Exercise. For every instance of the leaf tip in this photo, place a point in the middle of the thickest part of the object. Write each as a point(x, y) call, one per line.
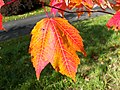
point(74, 80)
point(37, 76)
point(84, 53)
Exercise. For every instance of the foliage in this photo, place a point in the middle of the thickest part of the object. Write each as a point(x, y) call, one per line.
point(57, 36)
point(1, 27)
point(57, 43)
point(100, 70)
point(114, 21)
point(1, 4)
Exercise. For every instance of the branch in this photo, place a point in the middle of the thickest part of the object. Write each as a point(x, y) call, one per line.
point(64, 10)
point(79, 11)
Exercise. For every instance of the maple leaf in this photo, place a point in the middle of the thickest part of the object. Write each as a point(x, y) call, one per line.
point(103, 3)
point(74, 3)
point(1, 27)
point(1, 4)
point(114, 21)
point(55, 41)
point(58, 4)
point(88, 3)
point(116, 5)
point(42, 45)
point(80, 4)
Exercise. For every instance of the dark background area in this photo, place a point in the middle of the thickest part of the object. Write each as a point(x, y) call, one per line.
point(19, 7)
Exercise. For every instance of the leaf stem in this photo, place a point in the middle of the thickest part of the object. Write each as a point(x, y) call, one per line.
point(43, 6)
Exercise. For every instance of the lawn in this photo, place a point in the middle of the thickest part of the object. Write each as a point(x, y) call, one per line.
point(22, 16)
point(100, 70)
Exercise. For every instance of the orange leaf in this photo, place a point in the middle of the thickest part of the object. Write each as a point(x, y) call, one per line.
point(74, 3)
point(103, 3)
point(54, 40)
point(80, 3)
point(42, 45)
point(116, 5)
point(72, 34)
point(88, 3)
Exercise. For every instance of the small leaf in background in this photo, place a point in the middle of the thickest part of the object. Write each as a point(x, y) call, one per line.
point(55, 41)
point(114, 22)
point(1, 3)
point(74, 3)
point(58, 4)
point(1, 27)
point(88, 3)
point(116, 5)
point(103, 3)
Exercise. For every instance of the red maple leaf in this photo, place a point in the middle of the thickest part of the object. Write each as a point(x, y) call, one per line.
point(58, 4)
point(1, 4)
point(1, 27)
point(114, 22)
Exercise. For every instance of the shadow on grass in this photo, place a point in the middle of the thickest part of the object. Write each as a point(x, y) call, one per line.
point(95, 37)
point(17, 71)
point(16, 68)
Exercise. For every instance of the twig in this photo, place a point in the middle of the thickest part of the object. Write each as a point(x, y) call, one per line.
point(79, 11)
point(45, 9)
point(64, 10)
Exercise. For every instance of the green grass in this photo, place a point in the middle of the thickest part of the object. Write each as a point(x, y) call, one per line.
point(22, 16)
point(100, 70)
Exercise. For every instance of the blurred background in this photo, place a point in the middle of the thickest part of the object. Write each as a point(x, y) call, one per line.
point(20, 7)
